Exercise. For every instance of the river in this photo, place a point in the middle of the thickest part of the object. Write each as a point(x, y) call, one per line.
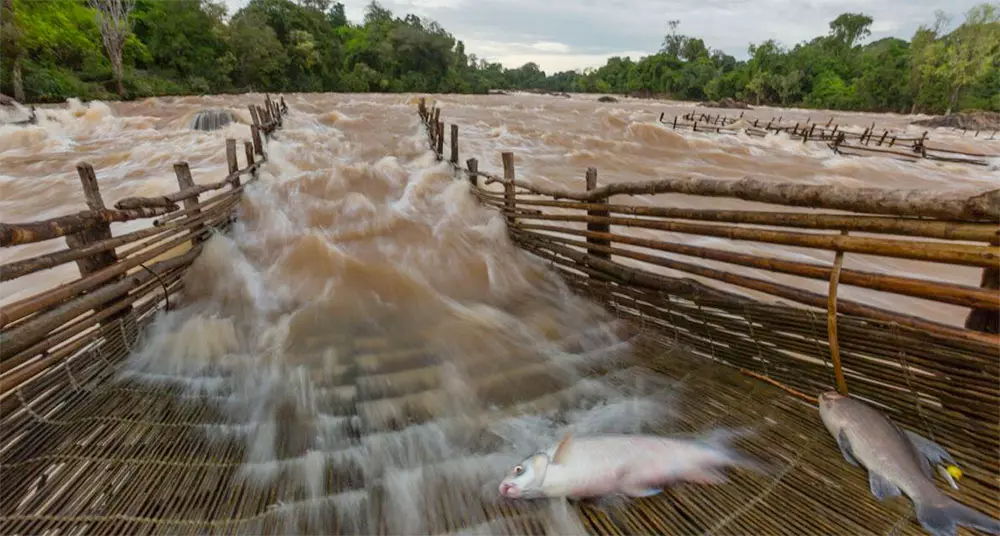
point(357, 242)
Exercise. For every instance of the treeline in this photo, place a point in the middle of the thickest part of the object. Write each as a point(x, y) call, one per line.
point(103, 49)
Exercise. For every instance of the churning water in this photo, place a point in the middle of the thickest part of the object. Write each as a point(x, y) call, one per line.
point(368, 335)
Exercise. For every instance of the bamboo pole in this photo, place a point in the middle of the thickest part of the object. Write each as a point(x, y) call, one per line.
point(954, 294)
point(440, 140)
point(14, 234)
point(983, 319)
point(632, 276)
point(248, 149)
point(963, 254)
point(924, 203)
point(838, 368)
point(23, 335)
point(945, 230)
point(24, 267)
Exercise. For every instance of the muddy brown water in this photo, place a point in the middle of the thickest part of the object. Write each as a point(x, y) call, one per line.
point(355, 233)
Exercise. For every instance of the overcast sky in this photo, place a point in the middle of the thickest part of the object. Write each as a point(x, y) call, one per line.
point(574, 34)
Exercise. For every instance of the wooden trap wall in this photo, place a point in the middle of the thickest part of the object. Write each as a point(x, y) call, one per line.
point(940, 380)
point(69, 335)
point(850, 142)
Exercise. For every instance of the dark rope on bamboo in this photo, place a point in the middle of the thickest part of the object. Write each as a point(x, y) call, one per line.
point(166, 292)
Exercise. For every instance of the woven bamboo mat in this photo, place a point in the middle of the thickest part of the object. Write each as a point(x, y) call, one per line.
point(99, 456)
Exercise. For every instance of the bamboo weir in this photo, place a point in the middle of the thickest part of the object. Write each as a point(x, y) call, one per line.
point(87, 450)
point(868, 142)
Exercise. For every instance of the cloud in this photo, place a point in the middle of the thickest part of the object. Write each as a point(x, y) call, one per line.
point(574, 34)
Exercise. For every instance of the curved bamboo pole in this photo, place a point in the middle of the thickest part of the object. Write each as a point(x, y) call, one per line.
point(831, 323)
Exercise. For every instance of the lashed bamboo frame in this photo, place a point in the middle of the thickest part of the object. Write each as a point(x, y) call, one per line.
point(41, 331)
point(942, 380)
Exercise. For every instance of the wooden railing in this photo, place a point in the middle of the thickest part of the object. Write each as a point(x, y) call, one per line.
point(123, 279)
point(940, 378)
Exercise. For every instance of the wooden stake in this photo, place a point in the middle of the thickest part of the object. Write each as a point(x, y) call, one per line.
point(258, 145)
point(234, 164)
point(510, 199)
point(591, 179)
point(440, 140)
point(986, 320)
point(185, 181)
point(831, 322)
point(254, 115)
point(454, 144)
point(473, 166)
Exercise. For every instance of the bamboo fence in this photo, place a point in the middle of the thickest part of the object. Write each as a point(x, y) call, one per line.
point(66, 334)
point(941, 380)
point(867, 142)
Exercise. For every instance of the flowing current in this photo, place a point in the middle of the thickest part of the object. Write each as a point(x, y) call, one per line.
point(368, 334)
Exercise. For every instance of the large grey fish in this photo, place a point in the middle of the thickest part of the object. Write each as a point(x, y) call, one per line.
point(630, 465)
point(898, 462)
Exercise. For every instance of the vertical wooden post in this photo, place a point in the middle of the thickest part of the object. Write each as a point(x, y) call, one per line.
point(437, 115)
point(884, 134)
point(454, 144)
point(440, 140)
point(661, 117)
point(254, 115)
point(594, 226)
point(185, 181)
point(248, 148)
point(234, 164)
point(509, 197)
point(258, 145)
point(675, 122)
point(473, 165)
point(986, 320)
point(422, 109)
point(99, 261)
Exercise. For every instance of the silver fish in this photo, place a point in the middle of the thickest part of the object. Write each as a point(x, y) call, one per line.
point(898, 462)
point(630, 465)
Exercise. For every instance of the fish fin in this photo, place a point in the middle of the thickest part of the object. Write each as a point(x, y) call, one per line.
point(932, 454)
point(941, 517)
point(562, 449)
point(845, 448)
point(644, 492)
point(882, 489)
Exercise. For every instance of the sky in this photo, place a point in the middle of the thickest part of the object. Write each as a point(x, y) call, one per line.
point(563, 35)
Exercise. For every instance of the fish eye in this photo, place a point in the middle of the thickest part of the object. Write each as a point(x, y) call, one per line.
point(518, 470)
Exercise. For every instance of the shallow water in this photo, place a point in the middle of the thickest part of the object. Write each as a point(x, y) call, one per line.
point(367, 317)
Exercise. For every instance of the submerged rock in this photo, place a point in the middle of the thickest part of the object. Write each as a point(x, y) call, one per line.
point(970, 120)
point(212, 119)
point(606, 98)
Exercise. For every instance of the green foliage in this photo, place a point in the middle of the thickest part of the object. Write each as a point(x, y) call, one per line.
point(190, 46)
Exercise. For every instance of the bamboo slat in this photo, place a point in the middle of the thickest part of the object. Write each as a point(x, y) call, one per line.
point(13, 234)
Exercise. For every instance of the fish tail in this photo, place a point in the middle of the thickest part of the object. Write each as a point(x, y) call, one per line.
point(941, 517)
point(721, 439)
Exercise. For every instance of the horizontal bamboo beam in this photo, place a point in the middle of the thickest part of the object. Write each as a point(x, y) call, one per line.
point(32, 304)
point(961, 295)
point(916, 203)
point(24, 267)
point(25, 334)
point(963, 254)
point(945, 230)
point(629, 276)
point(187, 193)
point(14, 234)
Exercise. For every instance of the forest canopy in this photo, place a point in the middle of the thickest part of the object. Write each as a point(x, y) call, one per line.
point(55, 49)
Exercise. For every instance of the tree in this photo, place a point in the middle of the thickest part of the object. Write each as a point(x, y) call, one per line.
point(925, 55)
point(971, 50)
point(10, 47)
point(850, 28)
point(113, 19)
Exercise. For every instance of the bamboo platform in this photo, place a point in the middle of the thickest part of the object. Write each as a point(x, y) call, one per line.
point(86, 450)
point(868, 142)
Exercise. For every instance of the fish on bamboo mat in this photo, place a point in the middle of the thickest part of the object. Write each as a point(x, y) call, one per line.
point(629, 465)
point(898, 462)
